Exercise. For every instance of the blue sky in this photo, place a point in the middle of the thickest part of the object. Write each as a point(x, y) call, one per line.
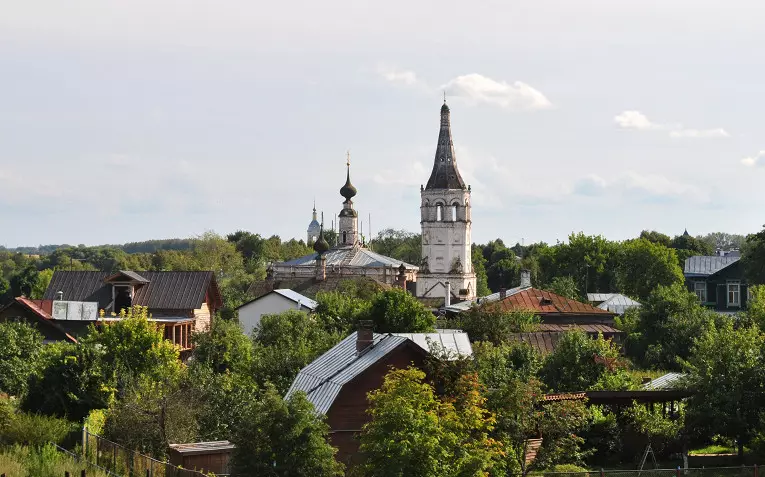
point(125, 121)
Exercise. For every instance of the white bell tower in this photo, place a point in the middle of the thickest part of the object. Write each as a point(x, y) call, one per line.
point(446, 225)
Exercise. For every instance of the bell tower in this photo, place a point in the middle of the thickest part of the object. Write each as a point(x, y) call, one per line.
point(446, 225)
point(348, 219)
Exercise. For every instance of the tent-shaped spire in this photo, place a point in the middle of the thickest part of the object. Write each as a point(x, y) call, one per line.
point(445, 174)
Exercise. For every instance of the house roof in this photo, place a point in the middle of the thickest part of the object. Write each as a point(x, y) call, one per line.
point(323, 379)
point(350, 256)
point(669, 381)
point(465, 305)
point(201, 448)
point(164, 290)
point(309, 287)
point(544, 302)
point(545, 340)
point(126, 275)
point(704, 266)
point(587, 328)
point(618, 304)
point(291, 295)
point(41, 310)
point(599, 297)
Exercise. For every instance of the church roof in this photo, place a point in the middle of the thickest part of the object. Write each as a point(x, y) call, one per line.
point(445, 174)
point(350, 256)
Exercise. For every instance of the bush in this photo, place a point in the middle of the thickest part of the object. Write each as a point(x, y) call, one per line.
point(36, 430)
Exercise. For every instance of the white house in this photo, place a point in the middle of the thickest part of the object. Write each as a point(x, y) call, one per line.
point(276, 301)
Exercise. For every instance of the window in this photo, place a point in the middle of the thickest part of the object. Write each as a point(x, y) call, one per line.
point(344, 237)
point(454, 212)
point(734, 294)
point(701, 291)
point(439, 213)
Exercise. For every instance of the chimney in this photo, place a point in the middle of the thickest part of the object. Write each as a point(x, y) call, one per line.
point(448, 294)
point(502, 293)
point(646, 380)
point(321, 268)
point(364, 336)
point(525, 278)
point(299, 304)
point(401, 278)
point(59, 295)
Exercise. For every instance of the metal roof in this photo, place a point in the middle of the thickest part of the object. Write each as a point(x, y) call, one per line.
point(618, 304)
point(587, 328)
point(165, 290)
point(132, 276)
point(297, 298)
point(350, 256)
point(465, 305)
point(600, 297)
point(212, 447)
point(323, 379)
point(667, 382)
point(703, 266)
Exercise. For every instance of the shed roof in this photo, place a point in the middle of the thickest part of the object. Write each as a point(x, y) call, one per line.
point(291, 295)
point(41, 311)
point(669, 381)
point(196, 448)
point(618, 303)
point(704, 266)
point(599, 297)
point(164, 290)
point(323, 379)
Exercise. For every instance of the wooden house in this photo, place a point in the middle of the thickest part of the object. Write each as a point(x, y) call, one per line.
point(38, 314)
point(337, 382)
point(181, 302)
point(718, 281)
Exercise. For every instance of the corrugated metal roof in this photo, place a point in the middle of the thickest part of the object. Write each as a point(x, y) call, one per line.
point(587, 328)
point(297, 298)
point(212, 447)
point(165, 290)
point(667, 382)
point(703, 266)
point(545, 303)
point(453, 341)
point(599, 297)
point(361, 257)
point(132, 276)
point(465, 305)
point(323, 379)
point(544, 342)
point(619, 304)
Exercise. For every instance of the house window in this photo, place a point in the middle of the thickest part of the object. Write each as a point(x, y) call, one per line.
point(344, 237)
point(734, 294)
point(701, 291)
point(439, 213)
point(454, 212)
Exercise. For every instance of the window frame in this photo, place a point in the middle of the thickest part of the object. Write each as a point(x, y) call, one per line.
point(736, 293)
point(700, 287)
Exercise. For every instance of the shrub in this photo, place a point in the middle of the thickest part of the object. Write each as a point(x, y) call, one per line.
point(36, 430)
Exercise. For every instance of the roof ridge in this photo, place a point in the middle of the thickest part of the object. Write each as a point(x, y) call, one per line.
point(347, 365)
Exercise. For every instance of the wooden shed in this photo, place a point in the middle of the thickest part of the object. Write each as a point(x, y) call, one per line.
point(203, 456)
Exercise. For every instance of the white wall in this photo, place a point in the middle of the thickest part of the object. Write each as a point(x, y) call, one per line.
point(249, 314)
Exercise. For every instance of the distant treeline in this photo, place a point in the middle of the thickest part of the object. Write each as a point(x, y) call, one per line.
point(147, 246)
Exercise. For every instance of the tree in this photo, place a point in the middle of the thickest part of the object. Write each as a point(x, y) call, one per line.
point(285, 343)
point(339, 311)
point(223, 400)
point(41, 284)
point(643, 265)
point(412, 432)
point(396, 311)
point(283, 438)
point(502, 363)
point(24, 281)
point(753, 258)
point(479, 267)
point(20, 347)
point(399, 244)
point(223, 348)
point(755, 306)
point(579, 362)
point(663, 330)
point(590, 259)
point(726, 371)
point(565, 287)
point(493, 324)
point(73, 381)
point(656, 237)
point(134, 346)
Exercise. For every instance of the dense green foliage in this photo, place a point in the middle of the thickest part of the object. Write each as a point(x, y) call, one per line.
point(396, 310)
point(20, 347)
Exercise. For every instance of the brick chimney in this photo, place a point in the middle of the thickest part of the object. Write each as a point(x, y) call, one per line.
point(502, 293)
point(401, 278)
point(448, 294)
point(364, 336)
point(525, 278)
point(321, 268)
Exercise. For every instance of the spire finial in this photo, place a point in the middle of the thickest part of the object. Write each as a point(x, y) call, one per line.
point(348, 158)
point(314, 204)
point(444, 96)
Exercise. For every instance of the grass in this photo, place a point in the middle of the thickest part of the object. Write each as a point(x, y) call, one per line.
point(22, 461)
point(713, 449)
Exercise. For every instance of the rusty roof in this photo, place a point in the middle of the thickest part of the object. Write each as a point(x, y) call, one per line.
point(41, 310)
point(587, 328)
point(544, 302)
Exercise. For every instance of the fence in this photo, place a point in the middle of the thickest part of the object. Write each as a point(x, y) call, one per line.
point(120, 461)
point(739, 471)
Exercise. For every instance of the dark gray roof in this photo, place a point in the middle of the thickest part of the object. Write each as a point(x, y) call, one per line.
point(131, 276)
point(704, 266)
point(445, 174)
point(164, 290)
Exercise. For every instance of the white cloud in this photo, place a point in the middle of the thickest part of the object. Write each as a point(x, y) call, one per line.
point(412, 175)
point(398, 76)
point(637, 121)
point(642, 187)
point(756, 160)
point(475, 89)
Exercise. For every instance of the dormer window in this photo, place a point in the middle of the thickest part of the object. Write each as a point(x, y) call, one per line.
point(123, 297)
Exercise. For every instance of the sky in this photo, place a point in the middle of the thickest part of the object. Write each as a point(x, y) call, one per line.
point(131, 120)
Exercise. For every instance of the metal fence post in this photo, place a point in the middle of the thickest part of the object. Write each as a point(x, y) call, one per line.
point(755, 470)
point(677, 471)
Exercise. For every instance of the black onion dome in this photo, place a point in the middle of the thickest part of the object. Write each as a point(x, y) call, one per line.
point(321, 245)
point(348, 191)
point(445, 108)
